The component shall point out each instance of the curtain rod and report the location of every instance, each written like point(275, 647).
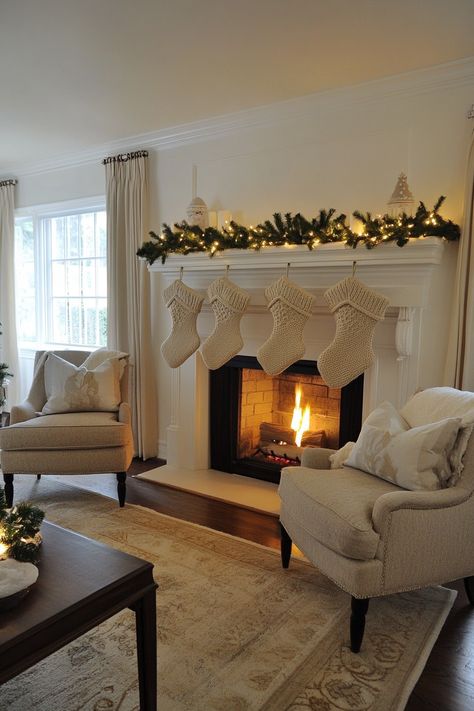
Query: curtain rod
point(123, 157)
point(9, 181)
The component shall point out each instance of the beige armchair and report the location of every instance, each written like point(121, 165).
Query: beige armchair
point(373, 538)
point(69, 443)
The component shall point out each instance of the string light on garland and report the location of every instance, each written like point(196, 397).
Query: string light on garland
point(297, 230)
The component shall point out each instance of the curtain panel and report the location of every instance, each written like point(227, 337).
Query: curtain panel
point(459, 371)
point(128, 289)
point(8, 340)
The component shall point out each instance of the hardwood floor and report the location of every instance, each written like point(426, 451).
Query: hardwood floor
point(447, 682)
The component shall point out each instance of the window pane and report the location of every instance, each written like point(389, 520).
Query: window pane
point(60, 321)
point(58, 237)
point(58, 280)
point(73, 279)
point(88, 277)
point(101, 228)
point(101, 265)
point(72, 247)
point(102, 316)
point(87, 235)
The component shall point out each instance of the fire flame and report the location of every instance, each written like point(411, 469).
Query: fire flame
point(300, 421)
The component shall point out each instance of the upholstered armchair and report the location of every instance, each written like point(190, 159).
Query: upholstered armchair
point(66, 443)
point(374, 538)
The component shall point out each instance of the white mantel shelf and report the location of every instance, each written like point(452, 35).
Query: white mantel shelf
point(400, 273)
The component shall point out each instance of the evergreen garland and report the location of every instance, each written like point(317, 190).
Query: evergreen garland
point(290, 229)
point(19, 527)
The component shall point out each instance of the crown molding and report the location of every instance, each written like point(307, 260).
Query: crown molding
point(409, 84)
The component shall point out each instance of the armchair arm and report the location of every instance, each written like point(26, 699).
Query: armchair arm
point(124, 413)
point(316, 457)
point(425, 537)
point(396, 501)
point(21, 413)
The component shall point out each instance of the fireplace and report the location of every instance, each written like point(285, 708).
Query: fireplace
point(409, 344)
point(261, 423)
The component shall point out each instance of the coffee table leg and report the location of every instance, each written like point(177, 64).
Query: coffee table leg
point(145, 611)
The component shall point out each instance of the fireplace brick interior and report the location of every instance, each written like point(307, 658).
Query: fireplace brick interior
point(266, 398)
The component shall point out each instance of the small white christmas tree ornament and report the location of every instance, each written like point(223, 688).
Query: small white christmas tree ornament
point(228, 302)
point(402, 198)
point(357, 309)
point(184, 304)
point(291, 307)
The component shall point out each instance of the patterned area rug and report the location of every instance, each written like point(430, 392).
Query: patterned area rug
point(235, 631)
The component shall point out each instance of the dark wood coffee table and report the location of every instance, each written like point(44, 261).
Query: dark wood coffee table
point(81, 584)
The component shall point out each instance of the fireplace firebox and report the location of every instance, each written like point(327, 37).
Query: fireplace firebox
point(261, 423)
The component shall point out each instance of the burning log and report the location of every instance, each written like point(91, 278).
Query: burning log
point(272, 435)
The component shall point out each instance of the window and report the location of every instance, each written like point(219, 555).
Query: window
point(61, 277)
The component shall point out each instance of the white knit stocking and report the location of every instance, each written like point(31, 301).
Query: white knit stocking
point(357, 310)
point(184, 304)
point(291, 308)
point(228, 303)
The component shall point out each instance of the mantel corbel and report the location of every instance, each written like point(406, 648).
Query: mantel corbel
point(404, 332)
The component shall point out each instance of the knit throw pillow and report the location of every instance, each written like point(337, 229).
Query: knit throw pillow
point(415, 458)
point(78, 389)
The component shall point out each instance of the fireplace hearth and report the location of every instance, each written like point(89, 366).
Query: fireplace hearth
point(261, 423)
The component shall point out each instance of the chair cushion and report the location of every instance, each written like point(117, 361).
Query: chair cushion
point(335, 506)
point(78, 430)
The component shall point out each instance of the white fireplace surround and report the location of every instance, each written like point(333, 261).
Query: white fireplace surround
point(409, 345)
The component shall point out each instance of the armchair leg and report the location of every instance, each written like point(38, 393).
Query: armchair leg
point(8, 479)
point(121, 487)
point(469, 586)
point(359, 610)
point(285, 547)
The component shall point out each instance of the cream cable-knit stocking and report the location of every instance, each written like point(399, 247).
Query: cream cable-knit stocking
point(357, 310)
point(291, 308)
point(228, 303)
point(184, 304)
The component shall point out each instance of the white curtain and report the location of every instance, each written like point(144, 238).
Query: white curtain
point(459, 371)
point(129, 322)
point(8, 342)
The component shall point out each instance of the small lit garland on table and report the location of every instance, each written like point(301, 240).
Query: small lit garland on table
point(20, 541)
point(19, 529)
point(296, 229)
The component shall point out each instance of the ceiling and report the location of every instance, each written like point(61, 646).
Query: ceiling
point(80, 73)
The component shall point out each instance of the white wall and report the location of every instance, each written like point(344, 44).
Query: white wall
point(341, 149)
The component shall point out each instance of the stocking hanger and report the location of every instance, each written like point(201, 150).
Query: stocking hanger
point(354, 268)
point(288, 269)
point(227, 267)
point(181, 270)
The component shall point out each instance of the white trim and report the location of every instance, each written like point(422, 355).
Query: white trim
point(94, 203)
point(409, 84)
point(38, 213)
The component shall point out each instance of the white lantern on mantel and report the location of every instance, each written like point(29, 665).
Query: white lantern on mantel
point(197, 213)
point(402, 198)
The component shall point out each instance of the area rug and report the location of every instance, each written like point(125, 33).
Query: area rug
point(235, 631)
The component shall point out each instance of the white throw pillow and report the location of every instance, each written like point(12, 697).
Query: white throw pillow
point(338, 458)
point(434, 404)
point(78, 389)
point(414, 458)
